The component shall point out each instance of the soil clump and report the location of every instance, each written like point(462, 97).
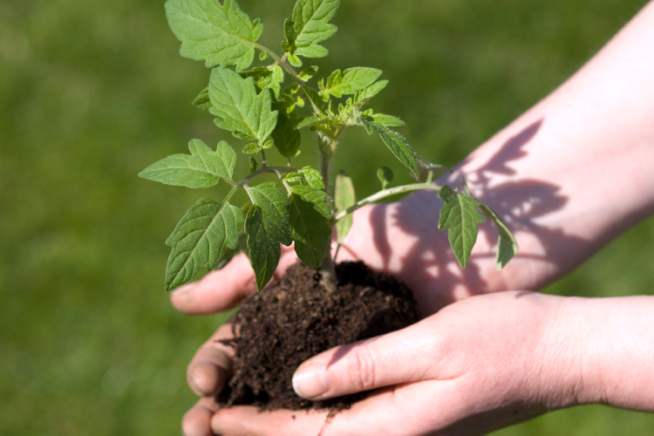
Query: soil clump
point(294, 318)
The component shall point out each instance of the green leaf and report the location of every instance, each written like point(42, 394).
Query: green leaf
point(264, 250)
point(388, 120)
point(309, 27)
point(253, 164)
point(202, 100)
point(252, 148)
point(385, 176)
point(295, 61)
point(313, 177)
point(344, 197)
point(218, 34)
point(271, 78)
point(238, 107)
point(308, 217)
point(396, 143)
point(348, 82)
point(459, 216)
point(507, 246)
point(294, 178)
point(308, 74)
point(315, 98)
point(241, 247)
point(274, 207)
point(202, 169)
point(362, 96)
point(310, 121)
point(200, 239)
point(287, 139)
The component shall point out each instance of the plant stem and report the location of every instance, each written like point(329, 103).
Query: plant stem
point(327, 146)
point(386, 193)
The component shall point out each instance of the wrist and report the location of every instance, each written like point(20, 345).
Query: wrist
point(600, 351)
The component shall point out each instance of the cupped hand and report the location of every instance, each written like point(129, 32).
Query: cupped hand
point(400, 238)
point(477, 365)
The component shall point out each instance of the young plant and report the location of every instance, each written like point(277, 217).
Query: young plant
point(267, 106)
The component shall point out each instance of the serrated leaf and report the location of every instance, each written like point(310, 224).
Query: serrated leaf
point(308, 218)
point(344, 197)
point(218, 34)
point(202, 169)
point(202, 100)
point(313, 177)
point(362, 96)
point(264, 250)
point(239, 108)
point(200, 239)
point(507, 246)
point(309, 27)
point(385, 176)
point(348, 82)
point(274, 207)
point(459, 216)
point(388, 120)
point(396, 143)
point(287, 139)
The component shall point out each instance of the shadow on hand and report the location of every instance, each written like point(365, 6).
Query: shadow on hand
point(520, 203)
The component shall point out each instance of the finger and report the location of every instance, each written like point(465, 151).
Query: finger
point(249, 421)
point(211, 366)
point(391, 411)
point(197, 421)
point(217, 291)
point(398, 357)
point(224, 289)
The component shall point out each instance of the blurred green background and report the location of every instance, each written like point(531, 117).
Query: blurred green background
point(91, 92)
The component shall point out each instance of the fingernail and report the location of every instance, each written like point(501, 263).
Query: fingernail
point(311, 382)
point(197, 387)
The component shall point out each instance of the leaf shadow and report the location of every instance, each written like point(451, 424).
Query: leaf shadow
point(521, 203)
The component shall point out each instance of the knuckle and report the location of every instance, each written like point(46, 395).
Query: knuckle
point(361, 369)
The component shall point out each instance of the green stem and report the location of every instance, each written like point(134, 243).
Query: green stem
point(327, 146)
point(230, 194)
point(386, 193)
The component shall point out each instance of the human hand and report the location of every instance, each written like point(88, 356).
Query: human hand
point(477, 365)
point(412, 257)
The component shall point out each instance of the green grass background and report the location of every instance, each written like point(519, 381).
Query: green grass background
point(91, 92)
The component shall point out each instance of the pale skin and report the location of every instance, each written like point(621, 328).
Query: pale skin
point(568, 176)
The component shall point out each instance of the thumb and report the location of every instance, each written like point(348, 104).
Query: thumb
point(398, 357)
point(224, 289)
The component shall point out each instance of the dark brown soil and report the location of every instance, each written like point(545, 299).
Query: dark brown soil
point(293, 319)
